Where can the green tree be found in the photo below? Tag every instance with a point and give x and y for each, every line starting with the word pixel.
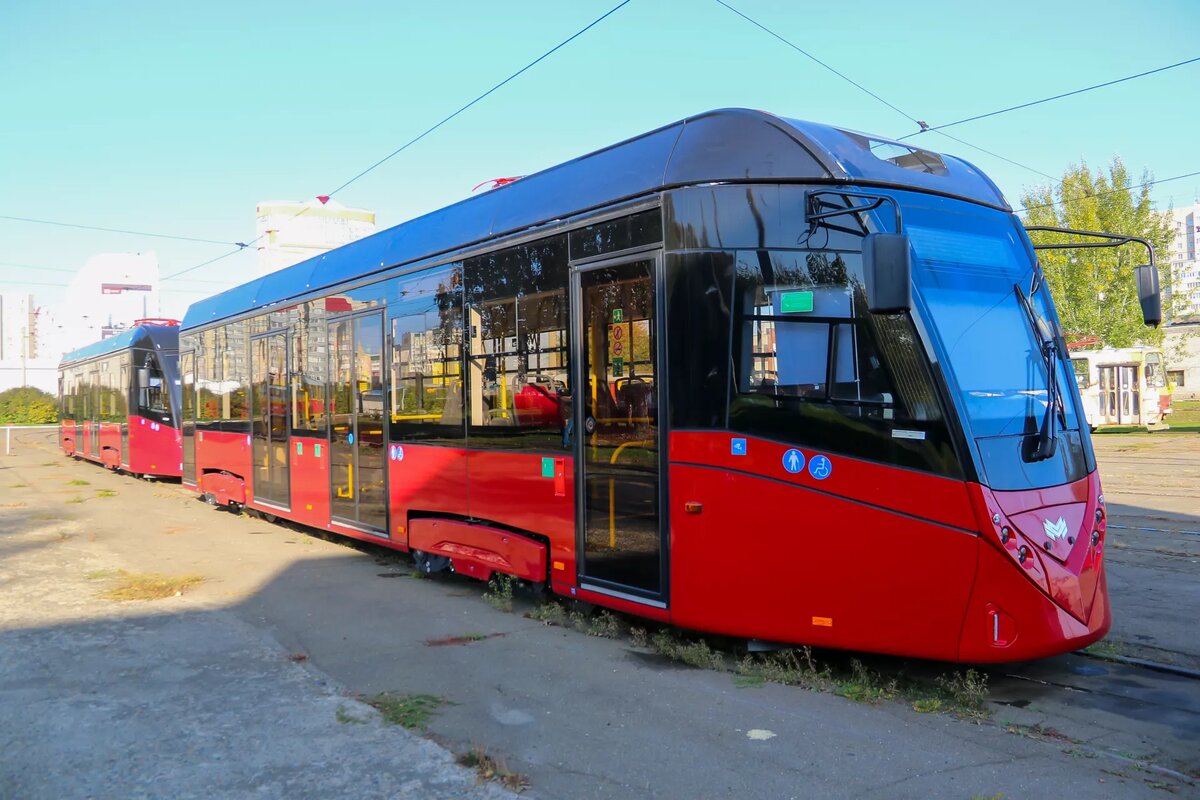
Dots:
pixel 26 405
pixel 1095 289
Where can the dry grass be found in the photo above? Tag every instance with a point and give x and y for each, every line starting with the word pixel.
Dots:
pixel 490 768
pixel 150 585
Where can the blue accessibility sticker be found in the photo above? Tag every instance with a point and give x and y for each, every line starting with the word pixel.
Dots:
pixel 793 461
pixel 350 439
pixel 737 447
pixel 820 467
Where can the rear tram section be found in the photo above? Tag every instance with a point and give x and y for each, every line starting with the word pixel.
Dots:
pixel 743 374
pixel 1123 386
pixel 119 401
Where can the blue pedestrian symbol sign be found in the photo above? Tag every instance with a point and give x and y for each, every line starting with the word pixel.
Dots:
pixel 793 461
pixel 737 447
pixel 820 467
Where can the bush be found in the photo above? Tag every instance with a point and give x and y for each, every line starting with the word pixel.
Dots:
pixel 27 406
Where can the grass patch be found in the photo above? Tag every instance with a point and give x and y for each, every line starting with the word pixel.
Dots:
pixel 695 653
pixel 346 718
pixel 748 681
pixel 1105 648
pixel 490 768
pixel 105 493
pixel 102 574
pixel 605 625
pixel 18 485
pixel 150 585
pixel 864 686
pixel 76 499
pixel 967 691
pixel 411 711
pixel 927 705
pixel 78 482
pixel 13 504
pixel 551 613
pixel 499 594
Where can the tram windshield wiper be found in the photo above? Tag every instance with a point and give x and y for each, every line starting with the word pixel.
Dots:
pixel 1047 441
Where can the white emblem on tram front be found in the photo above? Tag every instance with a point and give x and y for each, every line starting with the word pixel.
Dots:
pixel 1055 530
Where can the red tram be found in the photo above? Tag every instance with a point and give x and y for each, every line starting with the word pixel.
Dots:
pixel 119 400
pixel 743 374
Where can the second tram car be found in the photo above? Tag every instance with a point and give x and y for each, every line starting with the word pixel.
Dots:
pixel 1123 386
pixel 744 374
pixel 119 400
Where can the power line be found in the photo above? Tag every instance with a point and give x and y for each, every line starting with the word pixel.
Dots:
pixel 995 155
pixel 1110 191
pixel 925 128
pixel 522 70
pixel 811 57
pixel 174 275
pixel 40 268
pixel 862 88
pixel 111 230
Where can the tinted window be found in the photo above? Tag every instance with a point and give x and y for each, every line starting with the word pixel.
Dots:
pixel 616 235
pixel 425 319
pixel 308 369
pixel 517 363
pixel 813 366
pixel 698 306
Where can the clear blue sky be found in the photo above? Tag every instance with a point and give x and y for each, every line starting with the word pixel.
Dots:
pixel 178 118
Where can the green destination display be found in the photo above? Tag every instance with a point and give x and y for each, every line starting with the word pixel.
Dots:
pixel 796 302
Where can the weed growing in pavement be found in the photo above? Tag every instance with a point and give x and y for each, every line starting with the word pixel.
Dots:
pixel 18 485
pixel 638 637
pixel 605 625
pixel 795 667
pixel 490 768
pixel 105 493
pixel 14 504
pixel 747 681
pixel 967 690
pixel 864 686
pixel 550 612
pixel 410 711
pixel 78 482
pixel 927 705
pixel 75 499
pixel 499 594
pixel 1106 648
pixel 693 653
pixel 346 718
pixel 150 586
pixel 101 574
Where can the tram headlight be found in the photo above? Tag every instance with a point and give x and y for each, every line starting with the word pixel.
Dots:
pixel 1005 534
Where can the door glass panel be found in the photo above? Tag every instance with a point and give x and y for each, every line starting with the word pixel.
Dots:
pixel 269 426
pixel 187 426
pixel 341 419
pixel 370 475
pixel 619 430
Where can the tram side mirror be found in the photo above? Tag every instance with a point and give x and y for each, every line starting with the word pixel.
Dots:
pixel 887 270
pixel 1148 294
pixel 143 376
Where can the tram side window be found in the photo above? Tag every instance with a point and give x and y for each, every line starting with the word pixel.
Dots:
pixel 1155 379
pixel 698 305
pixel 635 230
pixel 425 321
pixel 518 365
pixel 152 400
pixel 813 366
pixel 308 367
pixel 222 371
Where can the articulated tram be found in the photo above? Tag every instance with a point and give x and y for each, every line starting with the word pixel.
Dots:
pixel 119 400
pixel 742 374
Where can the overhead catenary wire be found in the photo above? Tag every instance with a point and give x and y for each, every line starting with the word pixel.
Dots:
pixel 1071 200
pixel 864 89
pixel 424 133
pixel 59 224
pixel 511 77
pixel 1060 96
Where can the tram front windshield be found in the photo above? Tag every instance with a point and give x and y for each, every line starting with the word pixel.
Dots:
pixel 968 266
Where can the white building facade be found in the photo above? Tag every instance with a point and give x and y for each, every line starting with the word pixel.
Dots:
pixel 290 232
pixel 24 358
pixel 1185 268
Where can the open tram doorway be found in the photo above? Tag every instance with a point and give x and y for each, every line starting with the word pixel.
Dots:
pixel 357 436
pixel 1120 395
pixel 270 419
pixel 620 532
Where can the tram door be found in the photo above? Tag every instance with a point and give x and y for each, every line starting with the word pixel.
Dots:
pixel 95 395
pixel 357 438
pixel 271 423
pixel 620 536
pixel 1120 395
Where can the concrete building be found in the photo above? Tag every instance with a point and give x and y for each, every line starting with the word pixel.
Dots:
pixel 105 297
pixel 24 358
pixel 290 232
pixel 1181 347
pixel 1185 266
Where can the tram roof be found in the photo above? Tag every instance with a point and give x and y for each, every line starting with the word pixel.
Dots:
pixel 161 337
pixel 723 145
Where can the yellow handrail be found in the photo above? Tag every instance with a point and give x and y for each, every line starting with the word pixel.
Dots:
pixel 612 502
